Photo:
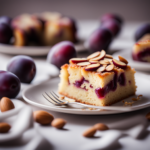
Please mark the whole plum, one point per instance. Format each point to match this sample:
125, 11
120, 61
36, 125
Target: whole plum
113, 26
9, 84
5, 33
6, 20
61, 53
99, 39
142, 30
23, 67
109, 16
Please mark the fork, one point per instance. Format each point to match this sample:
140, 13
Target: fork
54, 99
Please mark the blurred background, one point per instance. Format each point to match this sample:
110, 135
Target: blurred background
130, 10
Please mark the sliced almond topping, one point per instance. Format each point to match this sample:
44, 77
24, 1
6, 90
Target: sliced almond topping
94, 61
92, 67
101, 56
83, 64
101, 69
109, 67
108, 56
104, 62
119, 64
109, 59
78, 60
93, 55
123, 59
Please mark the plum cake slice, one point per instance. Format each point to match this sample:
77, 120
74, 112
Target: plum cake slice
97, 80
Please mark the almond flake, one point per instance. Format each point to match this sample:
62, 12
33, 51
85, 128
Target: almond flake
93, 55
78, 60
119, 64
104, 62
123, 59
92, 67
108, 56
94, 61
101, 56
109, 67
101, 69
83, 64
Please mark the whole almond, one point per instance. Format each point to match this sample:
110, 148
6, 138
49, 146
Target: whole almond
100, 126
89, 132
148, 116
58, 123
43, 117
4, 127
6, 104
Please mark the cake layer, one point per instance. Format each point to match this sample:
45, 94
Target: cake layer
91, 87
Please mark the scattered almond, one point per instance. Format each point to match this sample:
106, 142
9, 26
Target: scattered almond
119, 64
109, 67
100, 126
92, 67
104, 62
4, 127
108, 56
83, 64
93, 55
42, 117
123, 59
89, 132
6, 104
148, 116
58, 123
101, 69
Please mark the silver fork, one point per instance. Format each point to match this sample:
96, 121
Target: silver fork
53, 98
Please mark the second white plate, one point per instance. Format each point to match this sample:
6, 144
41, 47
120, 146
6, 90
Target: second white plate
33, 95
142, 66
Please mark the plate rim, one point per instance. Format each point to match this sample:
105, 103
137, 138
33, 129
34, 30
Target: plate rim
77, 111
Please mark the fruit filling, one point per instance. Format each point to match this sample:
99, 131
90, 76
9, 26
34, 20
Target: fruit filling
142, 56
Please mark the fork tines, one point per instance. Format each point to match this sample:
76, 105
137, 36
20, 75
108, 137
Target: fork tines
52, 98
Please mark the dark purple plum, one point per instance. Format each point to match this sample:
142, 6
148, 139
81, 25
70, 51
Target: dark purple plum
100, 39
109, 16
61, 53
5, 33
113, 26
6, 20
9, 84
142, 30
23, 67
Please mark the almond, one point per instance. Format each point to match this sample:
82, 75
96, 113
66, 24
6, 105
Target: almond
94, 61
119, 64
58, 123
100, 127
104, 62
4, 127
101, 69
83, 64
148, 116
78, 60
6, 104
108, 56
123, 59
101, 56
109, 67
89, 132
43, 117
92, 67
93, 55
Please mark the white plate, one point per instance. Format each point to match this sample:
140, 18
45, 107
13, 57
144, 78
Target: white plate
32, 50
142, 66
33, 95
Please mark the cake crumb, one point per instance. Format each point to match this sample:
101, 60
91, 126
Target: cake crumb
123, 101
134, 99
92, 108
128, 103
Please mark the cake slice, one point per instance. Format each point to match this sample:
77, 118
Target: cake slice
141, 50
97, 80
